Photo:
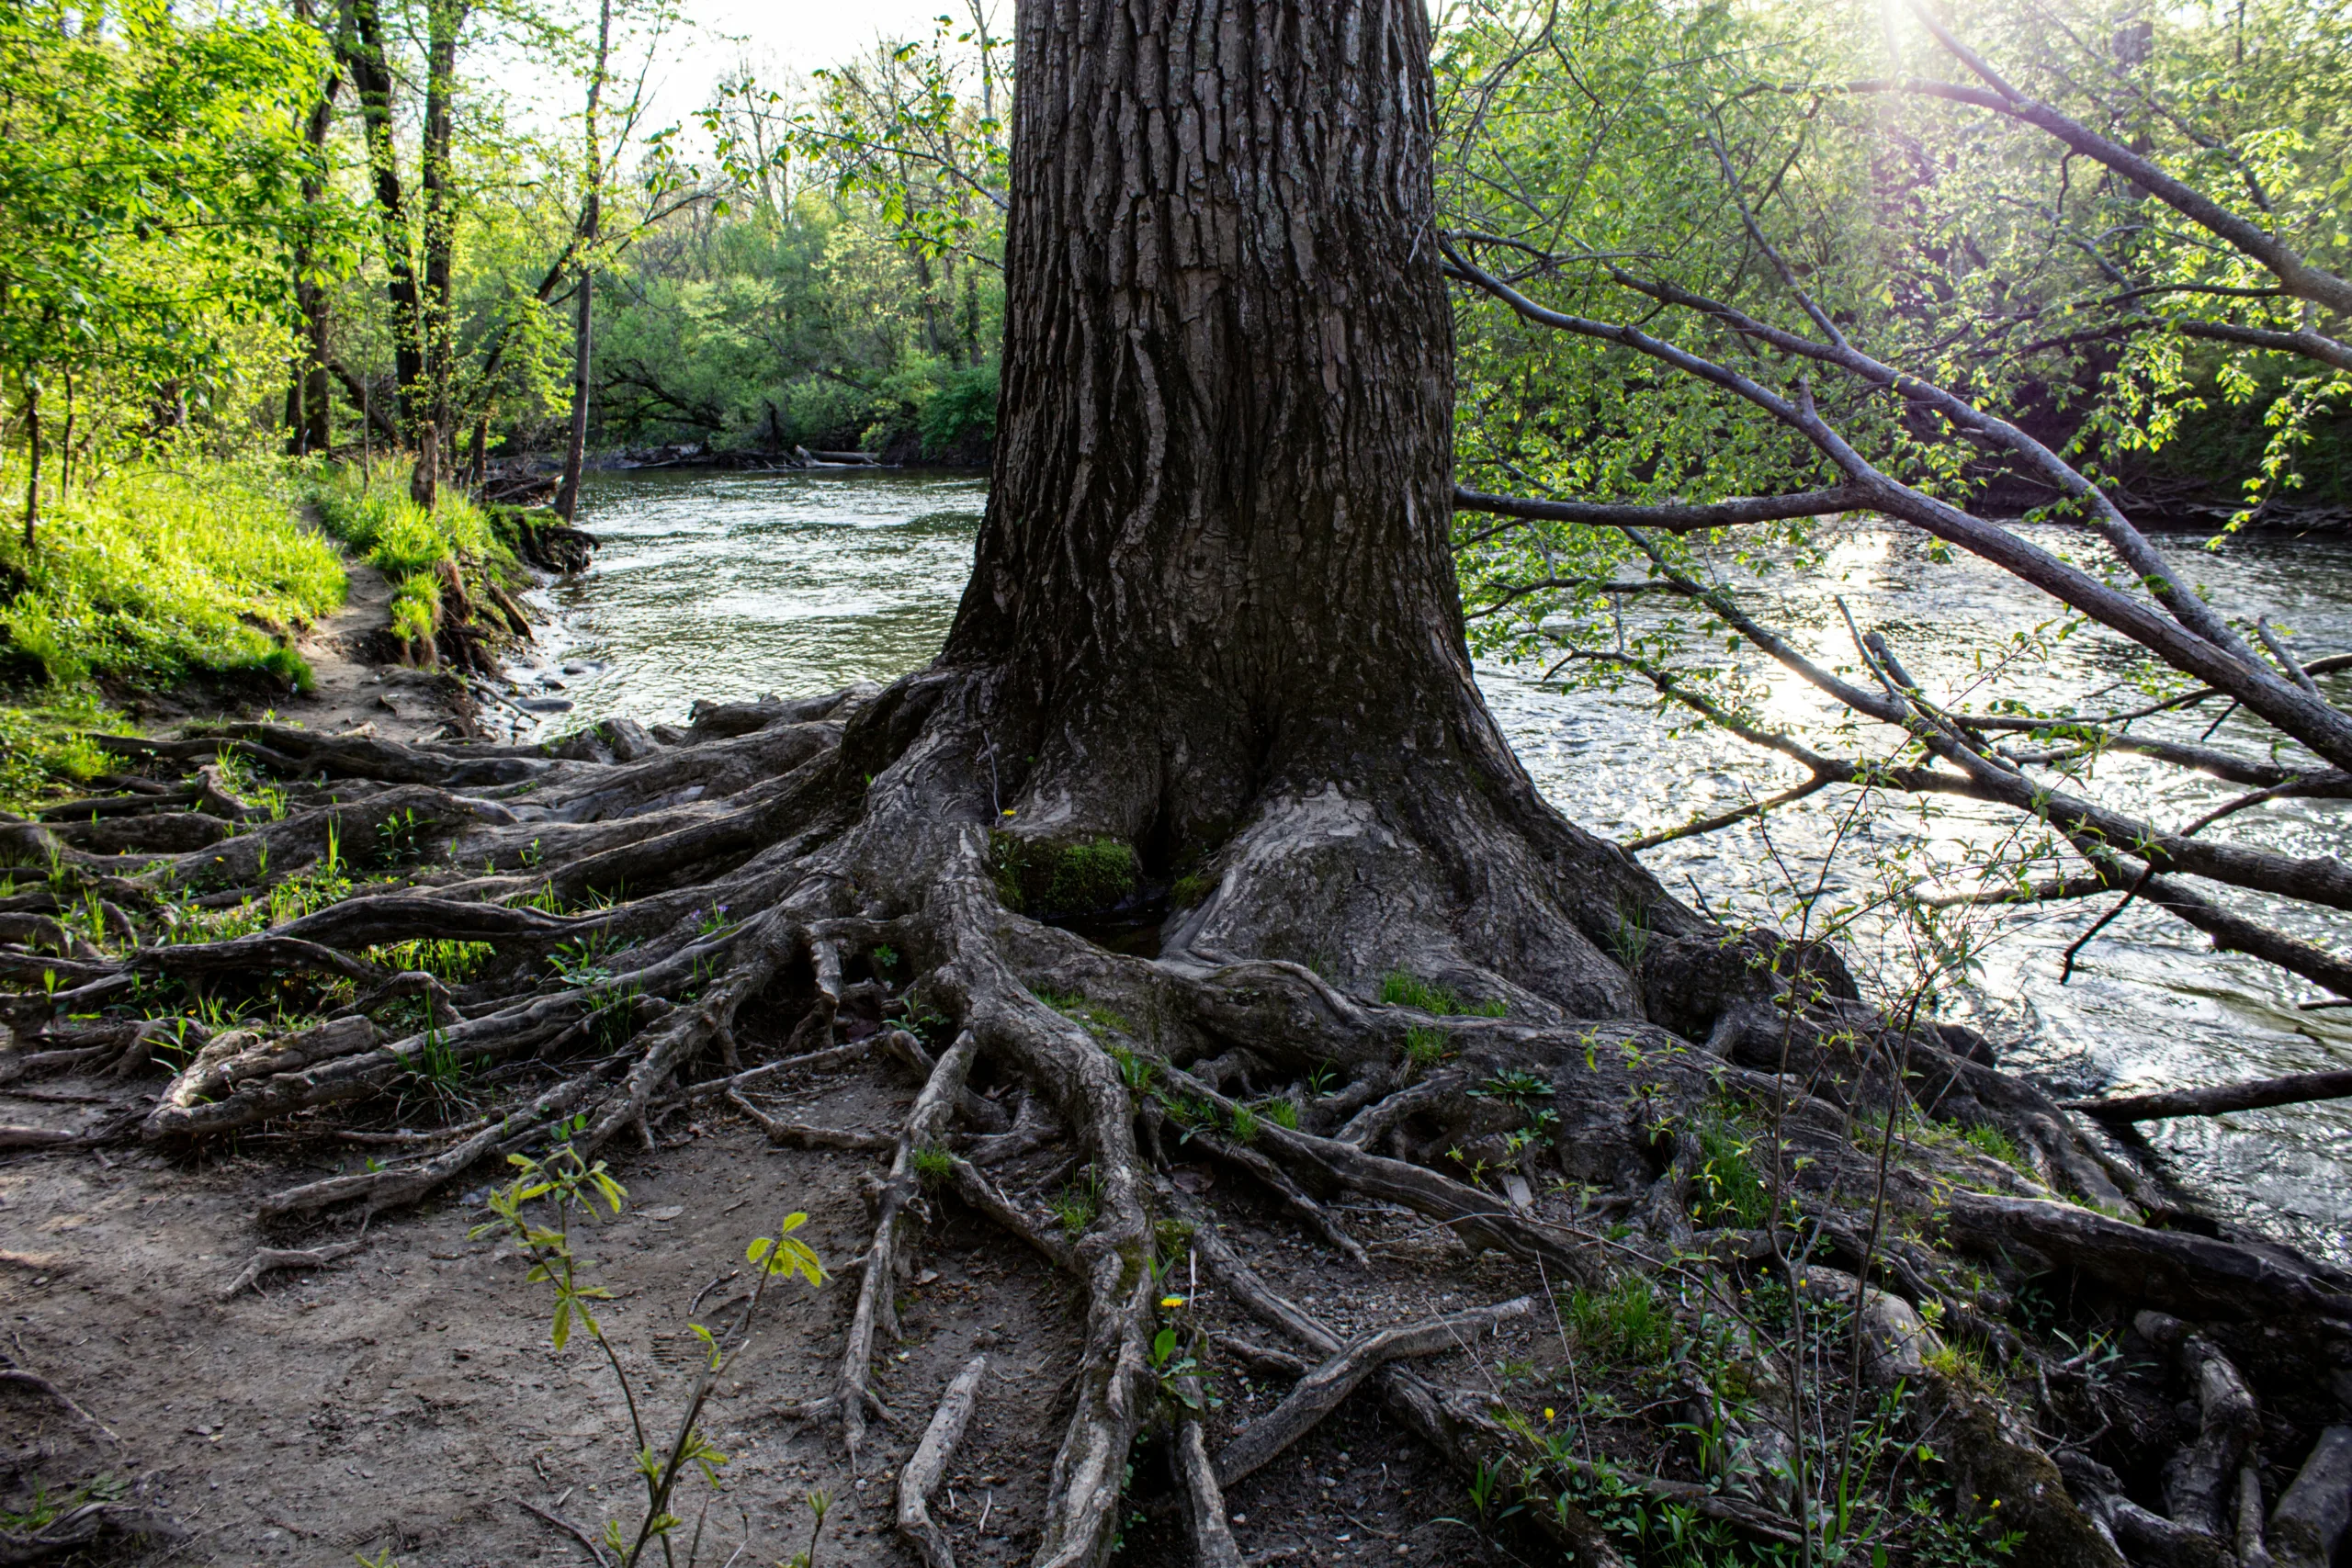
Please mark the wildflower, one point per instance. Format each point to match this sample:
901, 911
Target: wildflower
1547, 1412
1172, 1300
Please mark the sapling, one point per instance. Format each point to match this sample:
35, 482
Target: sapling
569, 1187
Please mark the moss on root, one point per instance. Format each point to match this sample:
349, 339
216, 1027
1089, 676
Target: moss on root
1070, 879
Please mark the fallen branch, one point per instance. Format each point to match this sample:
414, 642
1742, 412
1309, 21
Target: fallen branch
2254, 1094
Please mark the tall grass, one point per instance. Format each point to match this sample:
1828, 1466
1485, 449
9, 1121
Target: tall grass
151, 576
374, 515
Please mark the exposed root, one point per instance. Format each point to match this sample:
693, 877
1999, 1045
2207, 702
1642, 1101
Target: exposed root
18, 1377
922, 1473
1320, 1392
877, 1310
1204, 1519
2312, 1518
828, 882
269, 1259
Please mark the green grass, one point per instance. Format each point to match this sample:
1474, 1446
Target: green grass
1400, 988
1626, 1323
398, 537
1728, 1189
151, 576
1985, 1138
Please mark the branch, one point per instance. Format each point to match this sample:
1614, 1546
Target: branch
1673, 518
2298, 276
2235, 670
2296, 1088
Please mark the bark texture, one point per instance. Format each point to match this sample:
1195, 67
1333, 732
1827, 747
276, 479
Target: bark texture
1213, 589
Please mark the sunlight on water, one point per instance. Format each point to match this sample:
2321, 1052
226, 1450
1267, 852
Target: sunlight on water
726, 586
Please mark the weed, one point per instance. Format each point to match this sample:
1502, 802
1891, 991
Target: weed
1727, 1188
1985, 1138
1076, 1205
1625, 1322
1134, 1071
934, 1167
885, 957
1426, 1047
1400, 988
451, 962
1282, 1110
1245, 1124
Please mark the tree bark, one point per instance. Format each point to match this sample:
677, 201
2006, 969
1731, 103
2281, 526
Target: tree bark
361, 43
309, 425
445, 20
575, 452
2254, 1094
1213, 579
32, 461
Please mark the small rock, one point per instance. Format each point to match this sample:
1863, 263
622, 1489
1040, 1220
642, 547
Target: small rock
667, 1211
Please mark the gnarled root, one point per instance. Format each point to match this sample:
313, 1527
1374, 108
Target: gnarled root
833, 883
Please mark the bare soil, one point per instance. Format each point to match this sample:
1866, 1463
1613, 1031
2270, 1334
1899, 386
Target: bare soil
405, 1399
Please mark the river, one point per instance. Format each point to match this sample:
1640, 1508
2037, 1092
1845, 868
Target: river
729, 585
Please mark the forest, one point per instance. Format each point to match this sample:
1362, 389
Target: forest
1615, 839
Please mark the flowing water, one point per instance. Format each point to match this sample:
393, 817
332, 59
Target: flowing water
729, 586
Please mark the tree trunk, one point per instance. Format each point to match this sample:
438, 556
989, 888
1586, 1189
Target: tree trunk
1212, 576
309, 422
575, 451
32, 461
445, 20
361, 44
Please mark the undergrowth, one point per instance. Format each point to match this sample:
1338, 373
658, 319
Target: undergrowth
145, 578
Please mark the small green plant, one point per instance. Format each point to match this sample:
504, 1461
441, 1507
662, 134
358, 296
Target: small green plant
566, 1189
1076, 1205
1136, 1071
1282, 1110
1987, 1139
1625, 1322
1426, 1047
1245, 1124
1727, 1189
1400, 988
885, 956
935, 1167
398, 837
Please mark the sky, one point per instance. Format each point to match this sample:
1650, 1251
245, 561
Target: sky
796, 35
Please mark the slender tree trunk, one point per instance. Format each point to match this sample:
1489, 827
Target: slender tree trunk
65, 446
575, 451
309, 413
1214, 576
362, 44
32, 452
445, 20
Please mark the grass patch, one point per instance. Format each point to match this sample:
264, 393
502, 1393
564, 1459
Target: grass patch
1728, 1189
1626, 1323
151, 576
1401, 988
1987, 1139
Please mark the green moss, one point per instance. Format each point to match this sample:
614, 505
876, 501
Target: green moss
1069, 878
1191, 889
1091, 875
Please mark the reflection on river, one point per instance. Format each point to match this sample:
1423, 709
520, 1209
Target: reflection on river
726, 586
